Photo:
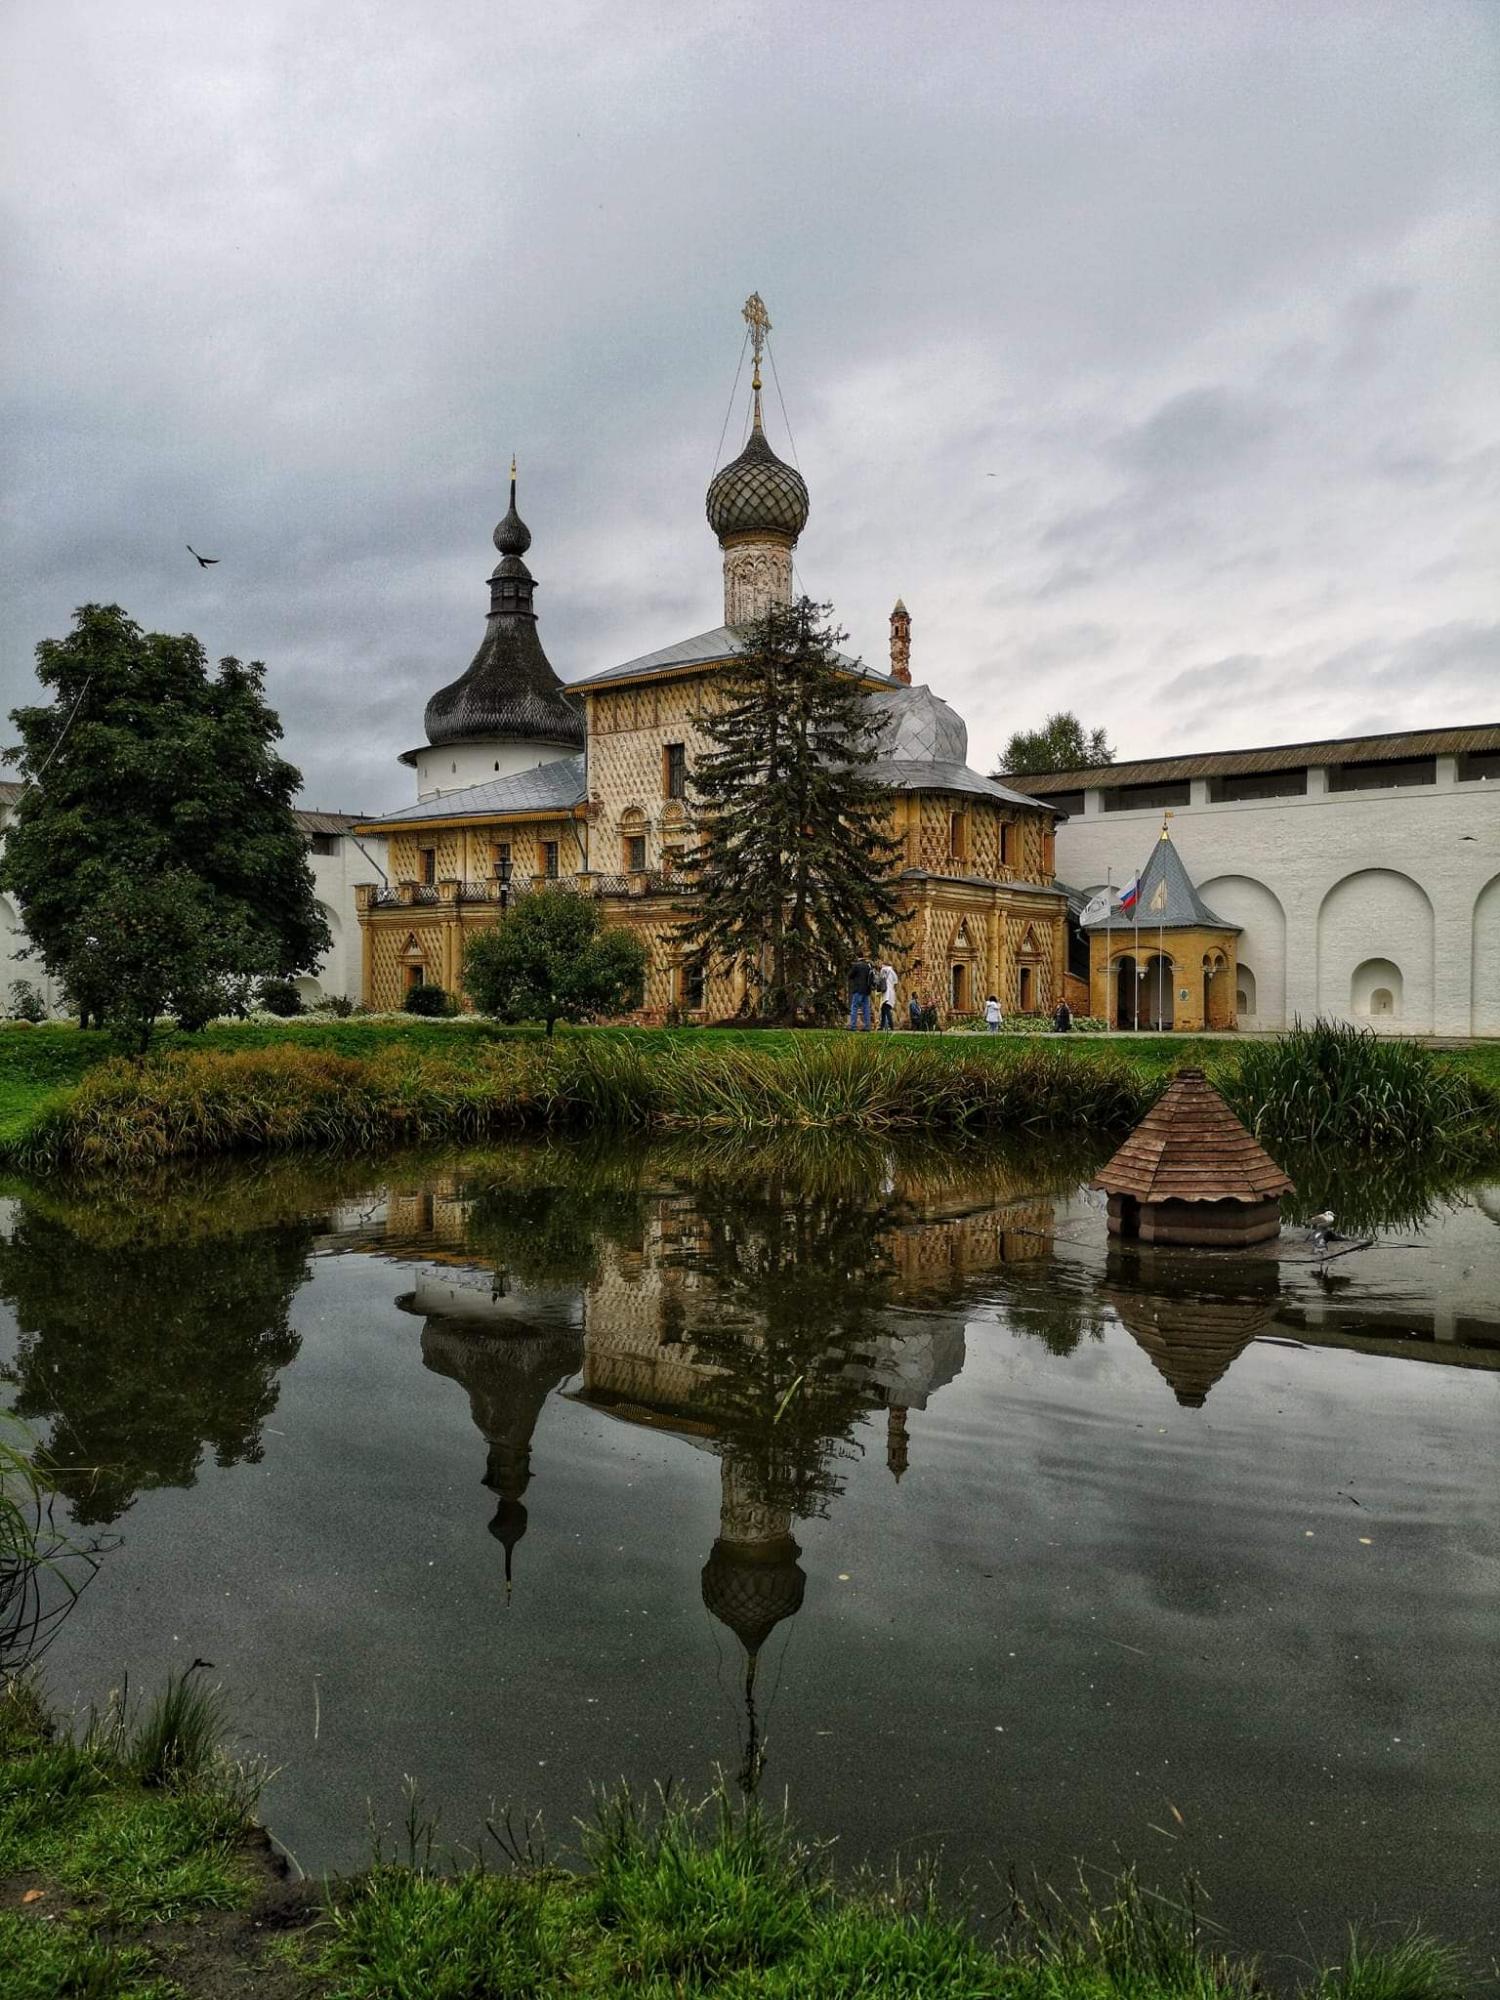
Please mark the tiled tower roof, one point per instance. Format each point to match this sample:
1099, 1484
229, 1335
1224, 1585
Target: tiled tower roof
1191, 1147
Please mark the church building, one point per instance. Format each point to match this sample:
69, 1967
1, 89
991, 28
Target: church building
526, 781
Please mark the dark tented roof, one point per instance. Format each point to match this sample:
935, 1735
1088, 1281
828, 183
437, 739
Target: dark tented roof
1191, 1147
1273, 757
556, 787
1167, 898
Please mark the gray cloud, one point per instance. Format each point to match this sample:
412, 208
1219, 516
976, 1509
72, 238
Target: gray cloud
1207, 289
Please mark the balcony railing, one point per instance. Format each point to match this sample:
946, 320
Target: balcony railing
642, 882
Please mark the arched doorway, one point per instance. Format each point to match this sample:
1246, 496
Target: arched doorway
1127, 992
1157, 997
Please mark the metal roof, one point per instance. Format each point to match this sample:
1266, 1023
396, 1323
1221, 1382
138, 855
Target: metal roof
1167, 899
1273, 757
702, 650
904, 775
549, 788
322, 822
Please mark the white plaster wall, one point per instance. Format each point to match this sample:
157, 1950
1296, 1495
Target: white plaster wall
1445, 838
1242, 900
1373, 919
455, 765
1486, 959
335, 877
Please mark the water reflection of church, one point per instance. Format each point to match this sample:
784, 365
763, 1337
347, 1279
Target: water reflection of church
765, 1329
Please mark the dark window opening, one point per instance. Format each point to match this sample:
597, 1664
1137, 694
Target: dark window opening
427, 857
1069, 802
690, 984
958, 837
1257, 785
1479, 765
959, 989
416, 975
324, 843
549, 860
674, 759
635, 853
1140, 798
1007, 835
1028, 983
1387, 774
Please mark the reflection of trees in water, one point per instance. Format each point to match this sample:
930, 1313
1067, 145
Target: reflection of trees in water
1369, 1194
140, 1358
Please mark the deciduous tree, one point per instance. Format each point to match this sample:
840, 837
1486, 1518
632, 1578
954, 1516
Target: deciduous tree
154, 853
552, 958
1061, 744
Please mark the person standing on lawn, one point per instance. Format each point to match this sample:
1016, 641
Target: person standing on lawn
992, 1015
888, 996
1062, 1020
860, 981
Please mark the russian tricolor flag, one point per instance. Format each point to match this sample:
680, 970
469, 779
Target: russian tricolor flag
1130, 895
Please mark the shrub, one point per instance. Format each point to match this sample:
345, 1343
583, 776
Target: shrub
433, 1001
26, 1002
339, 1005
280, 997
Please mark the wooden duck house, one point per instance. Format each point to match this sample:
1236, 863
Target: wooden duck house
1191, 1174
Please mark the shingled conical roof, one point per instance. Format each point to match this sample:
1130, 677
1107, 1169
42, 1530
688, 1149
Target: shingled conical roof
1166, 898
1191, 1147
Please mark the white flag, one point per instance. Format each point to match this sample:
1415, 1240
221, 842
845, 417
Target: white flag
1096, 909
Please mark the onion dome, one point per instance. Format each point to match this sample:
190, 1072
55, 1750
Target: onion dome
752, 1587
510, 689
756, 494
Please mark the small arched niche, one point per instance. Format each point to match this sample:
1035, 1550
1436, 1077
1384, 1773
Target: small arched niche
1244, 992
1375, 991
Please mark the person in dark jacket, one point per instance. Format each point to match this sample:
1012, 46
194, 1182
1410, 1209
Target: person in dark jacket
1062, 1020
860, 981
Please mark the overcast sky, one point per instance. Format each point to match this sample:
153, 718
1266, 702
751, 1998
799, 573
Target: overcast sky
1148, 351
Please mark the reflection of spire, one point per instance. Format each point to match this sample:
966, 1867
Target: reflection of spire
751, 1582
508, 1375
896, 1440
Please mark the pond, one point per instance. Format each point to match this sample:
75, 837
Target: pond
873, 1479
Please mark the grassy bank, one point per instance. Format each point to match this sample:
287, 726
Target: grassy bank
130, 1869
66, 1099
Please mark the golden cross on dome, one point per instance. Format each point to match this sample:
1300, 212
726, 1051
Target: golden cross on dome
759, 322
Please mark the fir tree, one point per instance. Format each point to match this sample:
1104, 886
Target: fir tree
792, 871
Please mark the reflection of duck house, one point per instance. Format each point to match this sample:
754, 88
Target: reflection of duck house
1191, 1174
1192, 1332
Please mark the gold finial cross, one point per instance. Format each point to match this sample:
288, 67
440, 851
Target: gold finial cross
759, 321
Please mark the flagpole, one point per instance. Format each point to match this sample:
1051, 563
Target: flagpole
1109, 964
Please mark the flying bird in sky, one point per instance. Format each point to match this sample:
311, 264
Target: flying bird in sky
203, 562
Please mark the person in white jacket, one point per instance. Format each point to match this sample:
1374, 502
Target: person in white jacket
888, 996
992, 1015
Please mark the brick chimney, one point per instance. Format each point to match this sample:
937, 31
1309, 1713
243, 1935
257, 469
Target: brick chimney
901, 644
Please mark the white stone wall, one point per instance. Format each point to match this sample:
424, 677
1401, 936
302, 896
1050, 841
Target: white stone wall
335, 877
1381, 907
452, 766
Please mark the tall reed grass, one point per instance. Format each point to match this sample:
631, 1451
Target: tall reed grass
1332, 1084
127, 1114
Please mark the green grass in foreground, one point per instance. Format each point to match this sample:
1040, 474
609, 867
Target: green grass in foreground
129, 1832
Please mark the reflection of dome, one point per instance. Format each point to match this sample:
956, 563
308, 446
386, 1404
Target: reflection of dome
921, 729
757, 494
751, 1587
508, 1376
